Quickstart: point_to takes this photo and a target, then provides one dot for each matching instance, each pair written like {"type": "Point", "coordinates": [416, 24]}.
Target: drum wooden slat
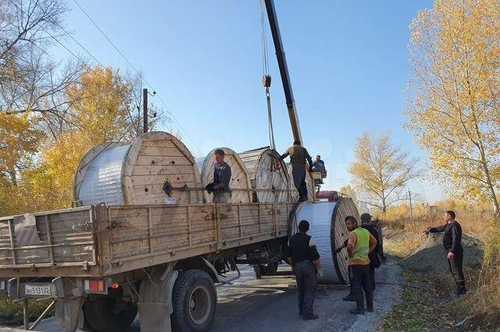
{"type": "Point", "coordinates": [268, 175]}
{"type": "Point", "coordinates": [134, 173]}
{"type": "Point", "coordinates": [339, 233]}
{"type": "Point", "coordinates": [240, 180]}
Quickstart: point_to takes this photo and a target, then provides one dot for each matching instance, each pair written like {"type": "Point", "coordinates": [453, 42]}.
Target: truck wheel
{"type": "Point", "coordinates": [264, 269]}
{"type": "Point", "coordinates": [194, 302]}
{"type": "Point", "coordinates": [258, 271]}
{"type": "Point", "coordinates": [271, 268]}
{"type": "Point", "coordinates": [107, 315]}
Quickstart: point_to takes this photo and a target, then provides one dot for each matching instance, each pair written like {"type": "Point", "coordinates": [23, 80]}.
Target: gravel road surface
{"type": "Point", "coordinates": [269, 304]}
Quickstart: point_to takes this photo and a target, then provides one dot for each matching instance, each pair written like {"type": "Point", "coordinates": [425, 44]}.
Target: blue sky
{"type": "Point", "coordinates": [348, 63]}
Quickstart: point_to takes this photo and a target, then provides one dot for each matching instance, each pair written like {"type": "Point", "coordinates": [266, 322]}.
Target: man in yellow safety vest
{"type": "Point", "coordinates": [359, 246]}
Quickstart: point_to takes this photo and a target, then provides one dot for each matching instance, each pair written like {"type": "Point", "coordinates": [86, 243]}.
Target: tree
{"type": "Point", "coordinates": [29, 81]}
{"type": "Point", "coordinates": [37, 169]}
{"type": "Point", "coordinates": [381, 170]}
{"type": "Point", "coordinates": [19, 141]}
{"type": "Point", "coordinates": [101, 110]}
{"type": "Point", "coordinates": [454, 93]}
{"type": "Point", "coordinates": [349, 191]}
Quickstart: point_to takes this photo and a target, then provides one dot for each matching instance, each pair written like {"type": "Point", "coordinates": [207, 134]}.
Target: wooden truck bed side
{"type": "Point", "coordinates": [125, 238]}
{"type": "Point", "coordinates": [62, 240]}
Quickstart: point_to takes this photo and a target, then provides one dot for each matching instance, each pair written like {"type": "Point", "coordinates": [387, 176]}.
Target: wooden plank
{"type": "Point", "coordinates": [12, 241]}
{"type": "Point", "coordinates": [165, 233]}
{"type": "Point", "coordinates": [150, 229]}
{"type": "Point", "coordinates": [49, 238]}
{"type": "Point", "coordinates": [188, 214]}
{"type": "Point", "coordinates": [168, 158]}
{"type": "Point", "coordinates": [160, 141]}
{"type": "Point", "coordinates": [239, 220]}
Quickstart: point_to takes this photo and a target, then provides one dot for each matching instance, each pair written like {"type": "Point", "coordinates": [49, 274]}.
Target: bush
{"type": "Point", "coordinates": [12, 313]}
{"type": "Point", "coordinates": [486, 298]}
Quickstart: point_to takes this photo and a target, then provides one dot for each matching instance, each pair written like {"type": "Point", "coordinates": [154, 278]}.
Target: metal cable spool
{"type": "Point", "coordinates": [268, 175]}
{"type": "Point", "coordinates": [134, 173]}
{"type": "Point", "coordinates": [240, 180]}
{"type": "Point", "coordinates": [328, 231]}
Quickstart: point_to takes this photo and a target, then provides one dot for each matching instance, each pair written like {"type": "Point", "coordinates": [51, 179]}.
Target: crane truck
{"type": "Point", "coordinates": [93, 278]}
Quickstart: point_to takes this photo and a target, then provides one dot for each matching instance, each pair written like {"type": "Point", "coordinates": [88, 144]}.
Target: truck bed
{"type": "Point", "coordinates": [99, 241]}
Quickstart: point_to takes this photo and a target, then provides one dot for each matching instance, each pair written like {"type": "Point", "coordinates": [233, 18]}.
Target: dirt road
{"type": "Point", "coordinates": [269, 304]}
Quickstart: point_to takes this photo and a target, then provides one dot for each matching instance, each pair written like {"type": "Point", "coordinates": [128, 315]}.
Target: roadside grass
{"type": "Point", "coordinates": [428, 301]}
{"type": "Point", "coordinates": [11, 314]}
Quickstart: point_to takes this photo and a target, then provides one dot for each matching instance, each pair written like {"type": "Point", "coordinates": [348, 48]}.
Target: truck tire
{"type": "Point", "coordinates": [194, 301]}
{"type": "Point", "coordinates": [271, 268]}
{"type": "Point", "coordinates": [105, 314]}
{"type": "Point", "coordinates": [264, 269]}
{"type": "Point", "coordinates": [258, 271]}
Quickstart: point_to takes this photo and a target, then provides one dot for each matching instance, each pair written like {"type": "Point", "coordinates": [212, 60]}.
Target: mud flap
{"type": "Point", "coordinates": [155, 303]}
{"type": "Point", "coordinates": [69, 304]}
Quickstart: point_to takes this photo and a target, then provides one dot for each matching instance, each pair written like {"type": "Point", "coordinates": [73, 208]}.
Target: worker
{"type": "Point", "coordinates": [380, 245]}
{"type": "Point", "coordinates": [319, 166]}
{"type": "Point", "coordinates": [222, 177]}
{"type": "Point", "coordinates": [304, 259]}
{"type": "Point", "coordinates": [298, 156]}
{"type": "Point", "coordinates": [359, 245]}
{"type": "Point", "coordinates": [375, 255]}
{"type": "Point", "coordinates": [452, 242]}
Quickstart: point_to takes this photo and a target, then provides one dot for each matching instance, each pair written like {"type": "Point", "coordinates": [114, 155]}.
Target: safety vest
{"type": "Point", "coordinates": [362, 249]}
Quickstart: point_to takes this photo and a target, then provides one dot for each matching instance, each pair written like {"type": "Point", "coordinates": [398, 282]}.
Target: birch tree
{"type": "Point", "coordinates": [381, 170]}
{"type": "Point", "coordinates": [454, 93]}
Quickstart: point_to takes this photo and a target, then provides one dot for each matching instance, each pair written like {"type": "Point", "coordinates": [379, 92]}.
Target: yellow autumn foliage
{"type": "Point", "coordinates": [19, 139]}
{"type": "Point", "coordinates": [381, 170]}
{"type": "Point", "coordinates": [454, 108]}
{"type": "Point", "coordinates": [100, 111]}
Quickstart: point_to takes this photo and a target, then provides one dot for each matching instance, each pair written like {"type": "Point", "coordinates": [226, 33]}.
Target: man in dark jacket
{"type": "Point", "coordinates": [452, 242]}
{"type": "Point", "coordinates": [375, 255]}
{"type": "Point", "coordinates": [222, 177]}
{"type": "Point", "coordinates": [298, 156]}
{"type": "Point", "coordinates": [304, 259]}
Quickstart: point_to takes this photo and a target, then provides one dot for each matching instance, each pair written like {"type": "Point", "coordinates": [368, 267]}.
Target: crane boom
{"type": "Point", "coordinates": [285, 77]}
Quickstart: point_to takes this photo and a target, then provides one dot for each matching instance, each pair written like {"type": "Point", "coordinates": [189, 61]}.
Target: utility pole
{"type": "Point", "coordinates": [145, 109]}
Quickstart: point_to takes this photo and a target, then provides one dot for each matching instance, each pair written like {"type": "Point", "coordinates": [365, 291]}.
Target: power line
{"type": "Point", "coordinates": [49, 34]}
{"type": "Point", "coordinates": [183, 132]}
{"type": "Point", "coordinates": [108, 38]}
{"type": "Point", "coordinates": [79, 44]}
{"type": "Point", "coordinates": [181, 129]}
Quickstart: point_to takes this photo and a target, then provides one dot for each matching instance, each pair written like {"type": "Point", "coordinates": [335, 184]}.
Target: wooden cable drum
{"type": "Point", "coordinates": [268, 175]}
{"type": "Point", "coordinates": [293, 193]}
{"type": "Point", "coordinates": [328, 230]}
{"type": "Point", "coordinates": [134, 173]}
{"type": "Point", "coordinates": [311, 188]}
{"type": "Point", "coordinates": [240, 181]}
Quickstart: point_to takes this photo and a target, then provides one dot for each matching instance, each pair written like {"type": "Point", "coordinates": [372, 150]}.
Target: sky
{"type": "Point", "coordinates": [348, 63]}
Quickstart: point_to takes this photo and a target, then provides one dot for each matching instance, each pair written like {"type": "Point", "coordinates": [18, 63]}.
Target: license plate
{"type": "Point", "coordinates": [37, 290]}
